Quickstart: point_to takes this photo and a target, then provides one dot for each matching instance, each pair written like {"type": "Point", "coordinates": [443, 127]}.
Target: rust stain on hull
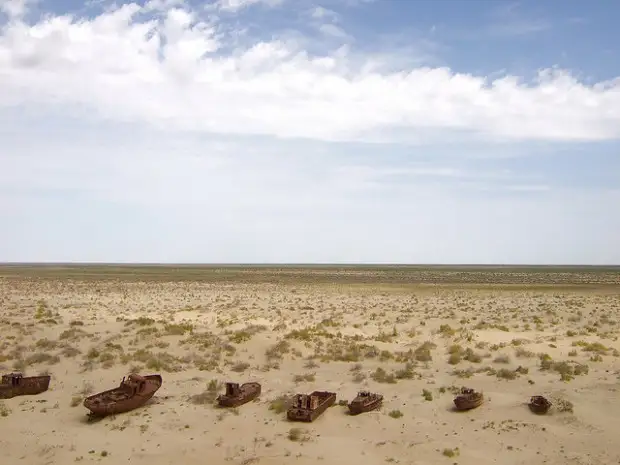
{"type": "Point", "coordinates": [238, 395]}
{"type": "Point", "coordinates": [468, 399]}
{"type": "Point", "coordinates": [539, 405]}
{"type": "Point", "coordinates": [16, 384]}
{"type": "Point", "coordinates": [365, 402]}
{"type": "Point", "coordinates": [308, 408]}
{"type": "Point", "coordinates": [132, 393]}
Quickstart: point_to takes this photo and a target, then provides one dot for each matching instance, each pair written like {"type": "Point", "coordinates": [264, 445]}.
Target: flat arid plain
{"type": "Point", "coordinates": [413, 334]}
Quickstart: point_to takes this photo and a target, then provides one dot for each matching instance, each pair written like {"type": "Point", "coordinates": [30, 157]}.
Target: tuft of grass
{"type": "Point", "coordinates": [423, 352]}
{"type": "Point", "coordinates": [278, 350]}
{"type": "Point", "coordinates": [451, 452]}
{"type": "Point", "coordinates": [381, 376]}
{"type": "Point", "coordinates": [280, 404]}
{"type": "Point", "coordinates": [306, 377]}
{"type": "Point", "coordinates": [563, 405]}
{"type": "Point", "coordinates": [178, 329]}
{"type": "Point", "coordinates": [240, 367]}
{"type": "Point", "coordinates": [298, 435]}
{"type": "Point", "coordinates": [209, 395]}
{"type": "Point", "coordinates": [4, 410]}
{"type": "Point", "coordinates": [505, 373]}
{"type": "Point", "coordinates": [567, 369]}
{"type": "Point", "coordinates": [395, 414]}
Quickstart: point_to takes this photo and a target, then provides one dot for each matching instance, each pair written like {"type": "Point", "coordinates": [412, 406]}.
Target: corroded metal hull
{"type": "Point", "coordinates": [539, 405]}
{"type": "Point", "coordinates": [365, 403]}
{"type": "Point", "coordinates": [240, 395]}
{"type": "Point", "coordinates": [129, 395]}
{"type": "Point", "coordinates": [468, 399]}
{"type": "Point", "coordinates": [308, 413]}
{"type": "Point", "coordinates": [13, 385]}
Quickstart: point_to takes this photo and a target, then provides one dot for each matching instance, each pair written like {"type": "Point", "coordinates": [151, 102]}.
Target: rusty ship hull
{"type": "Point", "coordinates": [468, 399]}
{"type": "Point", "coordinates": [365, 403]}
{"type": "Point", "coordinates": [125, 397]}
{"type": "Point", "coordinates": [14, 384]}
{"type": "Point", "coordinates": [539, 405]}
{"type": "Point", "coordinates": [322, 400]}
{"type": "Point", "coordinates": [238, 395]}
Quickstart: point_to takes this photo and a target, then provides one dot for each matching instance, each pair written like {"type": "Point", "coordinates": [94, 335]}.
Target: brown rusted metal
{"type": "Point", "coordinates": [238, 395]}
{"type": "Point", "coordinates": [309, 407]}
{"type": "Point", "coordinates": [539, 405]}
{"type": "Point", "coordinates": [16, 384]}
{"type": "Point", "coordinates": [134, 391]}
{"type": "Point", "coordinates": [365, 402]}
{"type": "Point", "coordinates": [468, 399]}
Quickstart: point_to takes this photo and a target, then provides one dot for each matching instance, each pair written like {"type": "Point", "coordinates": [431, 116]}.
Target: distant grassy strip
{"type": "Point", "coordinates": [326, 274]}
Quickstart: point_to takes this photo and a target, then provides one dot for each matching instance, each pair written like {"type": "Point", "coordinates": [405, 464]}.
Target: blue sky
{"type": "Point", "coordinates": [302, 131]}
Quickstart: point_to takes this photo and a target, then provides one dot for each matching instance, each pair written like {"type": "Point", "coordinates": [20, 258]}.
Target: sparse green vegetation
{"type": "Point", "coordinates": [393, 330]}
{"type": "Point", "coordinates": [451, 452]}
{"type": "Point", "coordinates": [209, 395]}
{"type": "Point", "coordinates": [280, 404]}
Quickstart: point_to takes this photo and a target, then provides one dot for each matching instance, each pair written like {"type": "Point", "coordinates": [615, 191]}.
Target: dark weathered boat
{"type": "Point", "coordinates": [238, 395]}
{"type": "Point", "coordinates": [468, 399]}
{"type": "Point", "coordinates": [309, 407]}
{"type": "Point", "coordinates": [16, 384]}
{"type": "Point", "coordinates": [539, 405]}
{"type": "Point", "coordinates": [365, 402]}
{"type": "Point", "coordinates": [133, 392]}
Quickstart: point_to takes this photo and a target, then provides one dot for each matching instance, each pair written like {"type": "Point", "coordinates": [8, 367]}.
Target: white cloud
{"type": "Point", "coordinates": [176, 74]}
{"type": "Point", "coordinates": [146, 134]}
{"type": "Point", "coordinates": [236, 5]}
{"type": "Point", "coordinates": [80, 190]}
{"type": "Point", "coordinates": [320, 12]}
{"type": "Point", "coordinates": [14, 8]}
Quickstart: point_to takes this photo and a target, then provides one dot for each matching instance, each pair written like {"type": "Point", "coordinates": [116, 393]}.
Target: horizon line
{"type": "Point", "coordinates": [306, 264]}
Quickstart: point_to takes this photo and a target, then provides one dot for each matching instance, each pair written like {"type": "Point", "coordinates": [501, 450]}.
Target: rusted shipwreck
{"type": "Point", "coordinates": [468, 399]}
{"type": "Point", "coordinates": [133, 392]}
{"type": "Point", "coordinates": [16, 384]}
{"type": "Point", "coordinates": [309, 407]}
{"type": "Point", "coordinates": [237, 395]}
{"type": "Point", "coordinates": [539, 405]}
{"type": "Point", "coordinates": [365, 402]}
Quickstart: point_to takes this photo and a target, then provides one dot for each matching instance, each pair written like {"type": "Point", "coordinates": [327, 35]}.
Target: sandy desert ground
{"type": "Point", "coordinates": [414, 343]}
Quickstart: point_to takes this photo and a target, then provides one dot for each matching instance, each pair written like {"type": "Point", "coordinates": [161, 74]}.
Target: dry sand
{"type": "Point", "coordinates": [414, 345]}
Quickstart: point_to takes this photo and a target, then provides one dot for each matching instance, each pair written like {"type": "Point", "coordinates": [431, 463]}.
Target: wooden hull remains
{"type": "Point", "coordinates": [308, 408]}
{"type": "Point", "coordinates": [236, 395]}
{"type": "Point", "coordinates": [131, 394]}
{"type": "Point", "coordinates": [15, 384]}
{"type": "Point", "coordinates": [539, 405]}
{"type": "Point", "coordinates": [468, 399]}
{"type": "Point", "coordinates": [365, 402]}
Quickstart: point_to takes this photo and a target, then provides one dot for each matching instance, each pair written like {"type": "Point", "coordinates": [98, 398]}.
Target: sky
{"type": "Point", "coordinates": [308, 131]}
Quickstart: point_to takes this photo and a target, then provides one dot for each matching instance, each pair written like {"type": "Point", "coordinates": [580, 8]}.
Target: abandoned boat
{"type": "Point", "coordinates": [365, 402]}
{"type": "Point", "coordinates": [238, 395]}
{"type": "Point", "coordinates": [16, 384]}
{"type": "Point", "coordinates": [539, 405]}
{"type": "Point", "coordinates": [133, 392]}
{"type": "Point", "coordinates": [468, 399]}
{"type": "Point", "coordinates": [309, 407]}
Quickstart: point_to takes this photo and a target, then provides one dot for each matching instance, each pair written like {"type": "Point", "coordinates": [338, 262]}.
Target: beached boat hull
{"type": "Point", "coordinates": [122, 399]}
{"type": "Point", "coordinates": [308, 414]}
{"type": "Point", "coordinates": [241, 395]}
{"type": "Point", "coordinates": [468, 399]}
{"type": "Point", "coordinates": [363, 404]}
{"type": "Point", "coordinates": [539, 405]}
{"type": "Point", "coordinates": [13, 385]}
